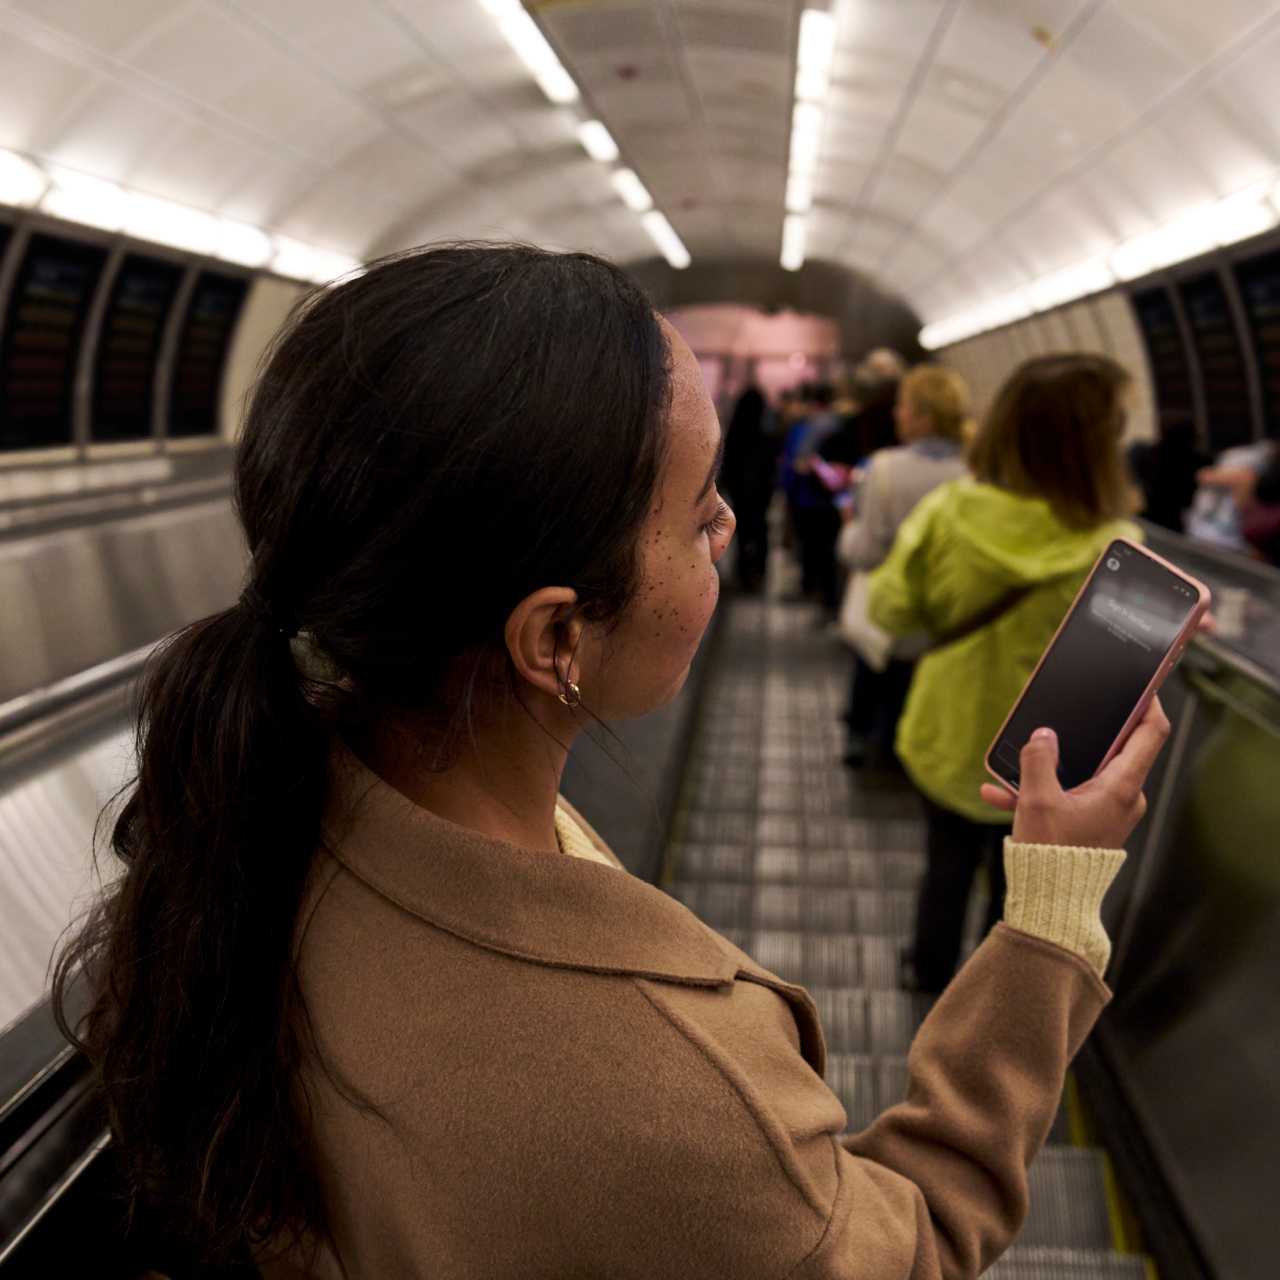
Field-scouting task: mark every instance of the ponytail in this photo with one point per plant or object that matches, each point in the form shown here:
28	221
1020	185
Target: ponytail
194	1022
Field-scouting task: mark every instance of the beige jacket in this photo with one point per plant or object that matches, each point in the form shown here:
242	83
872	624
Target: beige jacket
574	1077
896	480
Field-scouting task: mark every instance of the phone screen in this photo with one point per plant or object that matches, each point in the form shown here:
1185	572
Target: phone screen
1101	663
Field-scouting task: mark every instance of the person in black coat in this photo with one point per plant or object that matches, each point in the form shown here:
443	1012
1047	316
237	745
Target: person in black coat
748	476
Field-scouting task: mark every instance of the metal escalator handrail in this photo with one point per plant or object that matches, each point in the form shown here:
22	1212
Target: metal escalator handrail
49	698
1226	558
1214	692
93	508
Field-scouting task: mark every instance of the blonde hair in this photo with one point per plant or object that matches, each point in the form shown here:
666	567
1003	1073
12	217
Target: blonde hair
940	395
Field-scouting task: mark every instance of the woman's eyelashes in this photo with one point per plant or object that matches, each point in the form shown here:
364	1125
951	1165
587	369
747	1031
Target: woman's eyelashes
719	523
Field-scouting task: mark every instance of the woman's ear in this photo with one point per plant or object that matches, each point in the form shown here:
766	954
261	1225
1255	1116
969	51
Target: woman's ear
542	635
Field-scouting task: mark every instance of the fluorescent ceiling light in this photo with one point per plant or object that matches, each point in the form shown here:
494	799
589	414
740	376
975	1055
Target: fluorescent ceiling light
933	336
941	333
80	198
811	84
799	193
1242	215
292	258
242	243
806	121
632	190
793	237
817	39
663	235
813	59
806	136
1133	258
522	34
1187	236
813	56
303	262
597	141
164	222
21	182
1071	283
331	266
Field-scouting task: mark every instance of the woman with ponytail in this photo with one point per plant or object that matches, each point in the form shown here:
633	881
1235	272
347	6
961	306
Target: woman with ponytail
369	998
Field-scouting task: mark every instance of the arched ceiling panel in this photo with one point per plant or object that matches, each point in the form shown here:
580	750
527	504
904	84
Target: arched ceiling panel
1199	31
977	142
110	27
37	84
1228	153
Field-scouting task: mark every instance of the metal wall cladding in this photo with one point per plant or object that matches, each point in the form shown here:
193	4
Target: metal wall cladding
48	870
78	597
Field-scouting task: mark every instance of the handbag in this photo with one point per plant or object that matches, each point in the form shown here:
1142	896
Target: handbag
871	643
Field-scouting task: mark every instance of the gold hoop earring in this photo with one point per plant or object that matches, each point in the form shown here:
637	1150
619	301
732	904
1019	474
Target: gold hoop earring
571	695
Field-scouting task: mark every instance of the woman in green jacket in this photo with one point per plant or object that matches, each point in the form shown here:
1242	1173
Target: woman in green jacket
988	565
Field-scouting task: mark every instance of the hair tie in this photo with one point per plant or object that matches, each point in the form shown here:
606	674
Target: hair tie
256	605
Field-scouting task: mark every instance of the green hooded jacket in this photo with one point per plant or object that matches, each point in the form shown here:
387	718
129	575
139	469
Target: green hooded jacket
965	546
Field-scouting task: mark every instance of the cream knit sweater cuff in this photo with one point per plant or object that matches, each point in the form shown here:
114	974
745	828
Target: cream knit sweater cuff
1055	893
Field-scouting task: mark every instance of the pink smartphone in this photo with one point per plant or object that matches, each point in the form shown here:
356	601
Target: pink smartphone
1124	633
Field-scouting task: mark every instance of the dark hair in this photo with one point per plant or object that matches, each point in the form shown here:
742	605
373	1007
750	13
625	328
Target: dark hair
1054	432
427	443
823	394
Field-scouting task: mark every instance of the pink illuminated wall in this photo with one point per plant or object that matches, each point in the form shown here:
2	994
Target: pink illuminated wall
783	349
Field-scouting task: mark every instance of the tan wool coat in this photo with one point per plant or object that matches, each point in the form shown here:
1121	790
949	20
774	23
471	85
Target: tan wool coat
571	1076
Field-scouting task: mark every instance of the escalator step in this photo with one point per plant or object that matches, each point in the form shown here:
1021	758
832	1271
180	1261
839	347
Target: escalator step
1022	1263
826	959
1068	1200
783	865
734	904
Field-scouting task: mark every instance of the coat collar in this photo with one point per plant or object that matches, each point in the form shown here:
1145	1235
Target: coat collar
555	910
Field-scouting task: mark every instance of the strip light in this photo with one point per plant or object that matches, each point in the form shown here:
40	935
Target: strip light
813	75
77	197
793	237
94	202
597	141
633	192
21	182
239	242
1195	231
663	235
521	32
164	222
293	258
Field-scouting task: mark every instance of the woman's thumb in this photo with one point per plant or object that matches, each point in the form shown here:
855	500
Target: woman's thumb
1039	764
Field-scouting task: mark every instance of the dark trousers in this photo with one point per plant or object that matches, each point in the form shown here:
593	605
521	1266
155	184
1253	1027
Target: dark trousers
876	699
818	528
955	847
752	541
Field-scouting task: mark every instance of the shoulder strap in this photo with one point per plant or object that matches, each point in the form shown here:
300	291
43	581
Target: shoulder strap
992	613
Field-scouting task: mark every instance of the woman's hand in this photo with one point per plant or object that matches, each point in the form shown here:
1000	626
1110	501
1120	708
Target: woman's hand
1241	481
1098	814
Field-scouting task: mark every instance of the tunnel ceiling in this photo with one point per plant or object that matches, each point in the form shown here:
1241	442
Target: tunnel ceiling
969	145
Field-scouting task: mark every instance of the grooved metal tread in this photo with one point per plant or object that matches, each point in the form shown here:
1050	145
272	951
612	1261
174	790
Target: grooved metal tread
727	904
1067	1264
729	863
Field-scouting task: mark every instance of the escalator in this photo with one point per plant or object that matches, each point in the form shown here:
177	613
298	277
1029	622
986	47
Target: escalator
812	871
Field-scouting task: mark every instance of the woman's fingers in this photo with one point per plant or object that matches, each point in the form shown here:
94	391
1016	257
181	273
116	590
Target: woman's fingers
1039	767
999	797
1128	771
